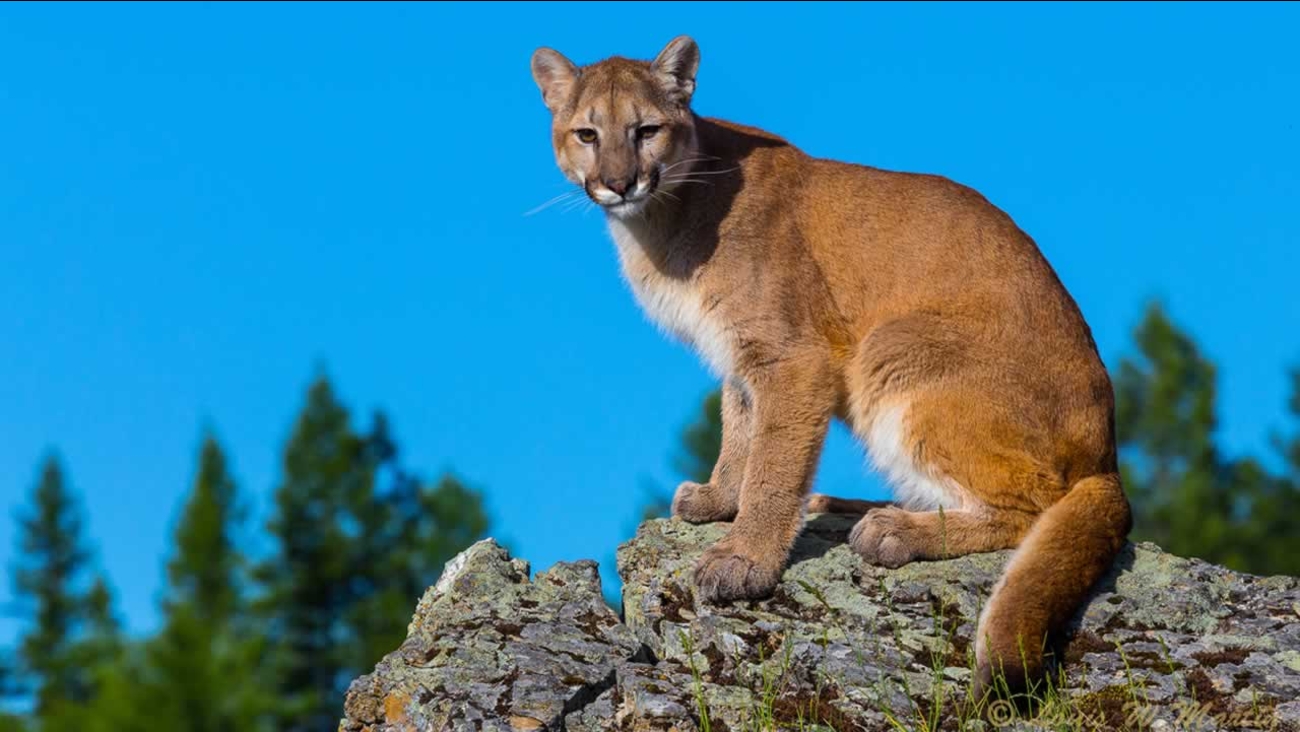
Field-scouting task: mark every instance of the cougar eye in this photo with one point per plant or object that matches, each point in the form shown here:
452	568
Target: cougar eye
646	132
585	136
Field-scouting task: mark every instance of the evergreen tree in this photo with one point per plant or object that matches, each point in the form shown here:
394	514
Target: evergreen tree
1187	496
202	671
101	643
50	583
359	538
74	644
1165	419
99	654
307	582
428	527
204	573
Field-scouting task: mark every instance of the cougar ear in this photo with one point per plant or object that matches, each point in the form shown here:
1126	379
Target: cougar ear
676	66
555	76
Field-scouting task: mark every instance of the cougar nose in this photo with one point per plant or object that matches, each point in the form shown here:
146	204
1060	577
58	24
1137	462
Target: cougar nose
621	187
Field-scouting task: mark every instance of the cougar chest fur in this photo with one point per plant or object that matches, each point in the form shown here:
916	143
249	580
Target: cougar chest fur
673	302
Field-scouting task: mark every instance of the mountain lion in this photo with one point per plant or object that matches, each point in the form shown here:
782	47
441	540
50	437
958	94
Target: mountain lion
906	305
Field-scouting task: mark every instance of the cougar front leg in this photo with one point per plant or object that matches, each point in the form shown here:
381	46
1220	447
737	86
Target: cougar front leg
719	499
791	409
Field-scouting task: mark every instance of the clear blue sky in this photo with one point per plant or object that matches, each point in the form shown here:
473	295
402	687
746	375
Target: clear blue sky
200	203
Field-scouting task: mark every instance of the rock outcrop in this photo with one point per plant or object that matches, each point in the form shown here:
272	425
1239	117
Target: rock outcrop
1164	643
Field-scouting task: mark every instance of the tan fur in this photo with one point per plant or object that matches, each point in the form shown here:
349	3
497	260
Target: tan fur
906	305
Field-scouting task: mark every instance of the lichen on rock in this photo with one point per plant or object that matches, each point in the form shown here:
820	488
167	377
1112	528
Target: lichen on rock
490	649
839	645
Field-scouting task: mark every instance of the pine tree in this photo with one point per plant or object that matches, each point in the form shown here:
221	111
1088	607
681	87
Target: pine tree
359	538
423	527
100	654
101	643
204	573
201	672
1165	419
50	580
1187	495
74	644
307	581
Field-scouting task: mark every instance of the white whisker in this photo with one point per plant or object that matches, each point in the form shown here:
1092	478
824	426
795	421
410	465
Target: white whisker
552	202
574	204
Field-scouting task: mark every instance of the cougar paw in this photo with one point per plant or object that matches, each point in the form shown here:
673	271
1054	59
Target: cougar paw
725	573
699	503
882	537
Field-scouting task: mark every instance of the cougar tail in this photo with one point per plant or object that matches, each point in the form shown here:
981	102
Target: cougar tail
1071	545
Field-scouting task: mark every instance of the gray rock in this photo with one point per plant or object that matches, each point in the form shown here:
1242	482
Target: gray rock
488	649
1164	643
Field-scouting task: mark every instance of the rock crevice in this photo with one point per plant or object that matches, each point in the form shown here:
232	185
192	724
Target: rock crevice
840	645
